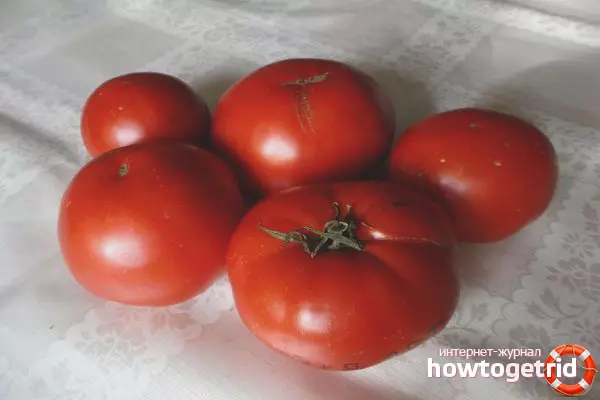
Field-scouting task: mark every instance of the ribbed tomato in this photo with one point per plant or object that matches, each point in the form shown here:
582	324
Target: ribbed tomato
343	276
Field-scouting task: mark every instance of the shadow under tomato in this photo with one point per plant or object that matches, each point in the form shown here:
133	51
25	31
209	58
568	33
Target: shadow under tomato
260	372
212	88
471	259
411	99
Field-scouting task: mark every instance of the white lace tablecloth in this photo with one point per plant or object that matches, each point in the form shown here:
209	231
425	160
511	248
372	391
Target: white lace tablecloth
536	58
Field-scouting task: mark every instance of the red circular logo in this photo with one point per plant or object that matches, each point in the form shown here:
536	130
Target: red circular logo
579	388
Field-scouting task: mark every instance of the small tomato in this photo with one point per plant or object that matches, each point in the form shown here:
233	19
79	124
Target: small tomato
142	107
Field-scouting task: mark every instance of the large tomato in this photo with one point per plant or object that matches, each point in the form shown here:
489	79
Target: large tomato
301	121
343	276
142	107
149	224
497	172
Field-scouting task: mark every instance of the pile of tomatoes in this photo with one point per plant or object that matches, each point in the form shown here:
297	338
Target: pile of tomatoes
339	246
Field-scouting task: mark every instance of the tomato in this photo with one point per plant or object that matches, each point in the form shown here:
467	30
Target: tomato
301	121
343	276
142	107
149	224
497	172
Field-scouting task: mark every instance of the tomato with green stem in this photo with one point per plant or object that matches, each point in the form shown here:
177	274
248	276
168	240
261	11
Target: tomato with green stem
343	276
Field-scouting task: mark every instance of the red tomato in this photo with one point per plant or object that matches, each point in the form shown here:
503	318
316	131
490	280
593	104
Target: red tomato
497	172
142	107
374	281
301	121
149	224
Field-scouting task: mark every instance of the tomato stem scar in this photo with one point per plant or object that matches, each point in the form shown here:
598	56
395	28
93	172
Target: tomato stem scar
337	234
123	170
307	81
302	106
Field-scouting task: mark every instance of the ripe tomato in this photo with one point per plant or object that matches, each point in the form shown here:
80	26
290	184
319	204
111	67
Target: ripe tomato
149	224
374	281
301	121
142	107
497	172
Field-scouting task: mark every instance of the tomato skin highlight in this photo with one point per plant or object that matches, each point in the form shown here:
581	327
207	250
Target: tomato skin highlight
149	224
302	121
142	107
345	309
497	172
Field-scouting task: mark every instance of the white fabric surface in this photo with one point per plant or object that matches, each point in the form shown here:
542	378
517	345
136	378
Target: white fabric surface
539	289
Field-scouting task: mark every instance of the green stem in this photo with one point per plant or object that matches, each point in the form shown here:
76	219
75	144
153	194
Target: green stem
337	234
